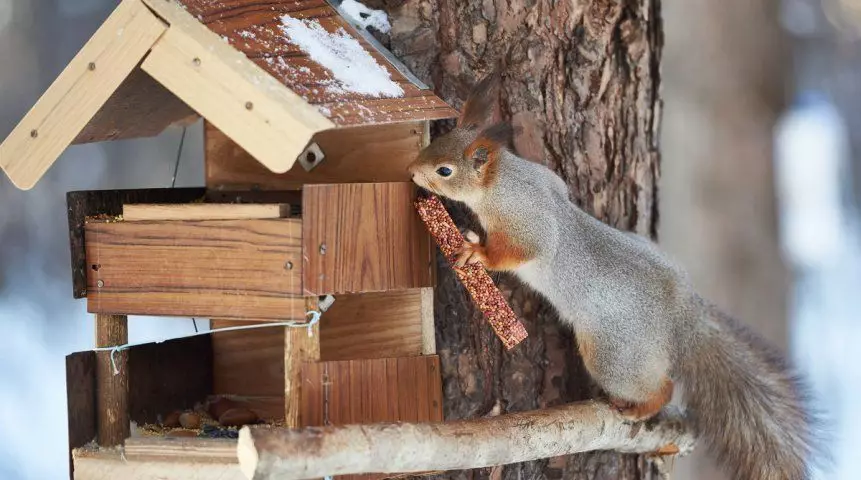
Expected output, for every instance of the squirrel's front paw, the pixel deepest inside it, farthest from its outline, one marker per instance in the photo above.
(471, 252)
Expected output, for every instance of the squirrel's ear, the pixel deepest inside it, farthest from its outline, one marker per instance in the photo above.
(485, 149)
(480, 107)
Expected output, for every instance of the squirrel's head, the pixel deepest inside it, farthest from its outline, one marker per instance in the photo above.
(462, 164)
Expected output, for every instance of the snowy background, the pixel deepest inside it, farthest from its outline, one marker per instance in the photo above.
(41, 322)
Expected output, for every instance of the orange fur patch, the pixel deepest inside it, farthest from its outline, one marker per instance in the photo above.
(490, 168)
(649, 408)
(586, 346)
(502, 253)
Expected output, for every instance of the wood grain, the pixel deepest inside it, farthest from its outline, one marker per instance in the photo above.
(248, 362)
(168, 376)
(217, 268)
(225, 87)
(79, 92)
(80, 401)
(368, 154)
(363, 238)
(371, 391)
(83, 204)
(204, 211)
(140, 107)
(301, 345)
(112, 380)
(255, 30)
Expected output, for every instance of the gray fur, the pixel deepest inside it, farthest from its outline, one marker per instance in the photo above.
(646, 320)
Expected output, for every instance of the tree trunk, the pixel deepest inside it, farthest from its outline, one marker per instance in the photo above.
(580, 78)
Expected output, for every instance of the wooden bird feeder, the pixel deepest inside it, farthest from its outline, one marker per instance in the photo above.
(306, 196)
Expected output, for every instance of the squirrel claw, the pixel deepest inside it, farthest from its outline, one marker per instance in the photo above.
(471, 253)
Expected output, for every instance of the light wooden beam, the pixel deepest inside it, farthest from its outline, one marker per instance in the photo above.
(271, 453)
(79, 92)
(204, 211)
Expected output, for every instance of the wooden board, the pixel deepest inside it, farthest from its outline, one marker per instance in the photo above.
(248, 362)
(140, 107)
(255, 30)
(79, 92)
(216, 268)
(363, 238)
(80, 400)
(368, 154)
(81, 205)
(168, 376)
(271, 122)
(405, 389)
(204, 211)
(149, 457)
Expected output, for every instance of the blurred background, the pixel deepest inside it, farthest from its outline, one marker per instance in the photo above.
(759, 199)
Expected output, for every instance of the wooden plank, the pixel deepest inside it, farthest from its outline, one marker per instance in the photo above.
(270, 409)
(139, 108)
(112, 380)
(371, 391)
(312, 395)
(373, 325)
(150, 457)
(168, 376)
(248, 362)
(230, 269)
(83, 204)
(428, 325)
(204, 211)
(263, 116)
(363, 238)
(301, 345)
(368, 154)
(80, 401)
(79, 92)
(257, 33)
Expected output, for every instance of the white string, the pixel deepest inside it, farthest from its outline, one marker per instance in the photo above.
(314, 314)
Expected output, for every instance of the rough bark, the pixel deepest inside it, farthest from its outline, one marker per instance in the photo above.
(273, 453)
(580, 79)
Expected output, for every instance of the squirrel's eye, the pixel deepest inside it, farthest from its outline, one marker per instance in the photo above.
(443, 171)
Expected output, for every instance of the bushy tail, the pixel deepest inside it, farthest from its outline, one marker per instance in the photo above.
(751, 410)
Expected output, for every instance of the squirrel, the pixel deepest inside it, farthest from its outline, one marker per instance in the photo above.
(640, 326)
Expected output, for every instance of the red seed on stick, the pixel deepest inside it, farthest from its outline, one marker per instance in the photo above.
(474, 277)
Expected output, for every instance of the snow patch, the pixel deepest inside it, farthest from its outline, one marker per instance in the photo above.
(366, 17)
(353, 68)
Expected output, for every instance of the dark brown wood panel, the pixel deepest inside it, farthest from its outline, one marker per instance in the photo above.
(140, 107)
(216, 268)
(83, 204)
(168, 376)
(365, 391)
(374, 153)
(255, 29)
(80, 401)
(248, 362)
(363, 238)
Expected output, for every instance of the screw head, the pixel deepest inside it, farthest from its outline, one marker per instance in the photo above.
(100, 283)
(34, 133)
(249, 105)
(92, 66)
(196, 61)
(322, 249)
(288, 265)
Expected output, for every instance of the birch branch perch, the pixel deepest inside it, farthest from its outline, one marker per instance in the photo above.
(314, 452)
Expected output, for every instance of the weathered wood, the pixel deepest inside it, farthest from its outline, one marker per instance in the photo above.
(257, 111)
(367, 154)
(363, 238)
(215, 268)
(83, 204)
(150, 457)
(248, 362)
(112, 380)
(140, 107)
(581, 83)
(370, 391)
(168, 376)
(256, 32)
(78, 93)
(80, 401)
(376, 325)
(301, 345)
(266, 453)
(204, 211)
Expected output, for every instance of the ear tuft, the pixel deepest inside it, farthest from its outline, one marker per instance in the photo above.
(480, 107)
(500, 135)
